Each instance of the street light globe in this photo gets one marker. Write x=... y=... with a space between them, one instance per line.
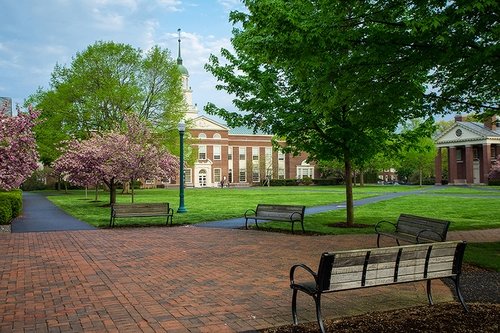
x=181 y=126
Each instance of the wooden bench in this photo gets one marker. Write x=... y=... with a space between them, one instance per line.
x=267 y=212
x=347 y=270
x=413 y=229
x=141 y=210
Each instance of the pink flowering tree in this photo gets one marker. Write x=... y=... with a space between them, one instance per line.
x=18 y=150
x=495 y=171
x=116 y=157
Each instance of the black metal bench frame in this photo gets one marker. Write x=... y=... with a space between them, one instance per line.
x=414 y=229
x=271 y=212
x=141 y=210
x=348 y=270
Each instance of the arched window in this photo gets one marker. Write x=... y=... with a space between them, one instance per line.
x=217 y=136
x=202 y=136
x=305 y=170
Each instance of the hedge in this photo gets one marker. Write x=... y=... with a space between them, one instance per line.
x=11 y=204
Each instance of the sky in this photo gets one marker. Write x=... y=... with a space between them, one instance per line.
x=35 y=35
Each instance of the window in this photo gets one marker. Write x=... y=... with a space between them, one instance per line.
x=459 y=155
x=281 y=156
x=255 y=153
x=217 y=177
x=243 y=151
x=150 y=181
x=255 y=173
x=230 y=175
x=187 y=176
x=243 y=175
x=305 y=170
x=216 y=152
x=229 y=153
x=202 y=136
x=202 y=152
x=493 y=153
x=216 y=136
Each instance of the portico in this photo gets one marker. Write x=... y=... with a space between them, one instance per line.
x=471 y=148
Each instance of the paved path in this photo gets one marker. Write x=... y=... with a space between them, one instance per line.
x=173 y=279
x=177 y=279
x=39 y=214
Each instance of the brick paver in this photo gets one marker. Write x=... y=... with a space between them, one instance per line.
x=180 y=279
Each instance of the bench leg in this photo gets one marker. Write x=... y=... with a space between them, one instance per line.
x=294 y=307
x=302 y=224
x=456 y=280
x=378 y=240
x=292 y=227
x=317 y=300
x=429 y=292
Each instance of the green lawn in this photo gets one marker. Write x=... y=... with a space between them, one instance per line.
x=485 y=255
x=467 y=208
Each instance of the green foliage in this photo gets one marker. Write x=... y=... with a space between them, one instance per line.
x=11 y=204
x=102 y=84
x=36 y=181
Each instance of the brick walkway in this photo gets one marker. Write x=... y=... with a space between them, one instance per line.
x=181 y=279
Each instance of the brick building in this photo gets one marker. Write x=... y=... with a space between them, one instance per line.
x=236 y=156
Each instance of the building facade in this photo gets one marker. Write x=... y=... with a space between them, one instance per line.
x=471 y=148
x=234 y=156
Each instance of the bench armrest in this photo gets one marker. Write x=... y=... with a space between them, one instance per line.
x=296 y=213
x=379 y=225
x=306 y=268
x=249 y=211
x=428 y=231
x=171 y=211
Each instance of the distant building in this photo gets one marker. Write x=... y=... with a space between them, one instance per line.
x=471 y=147
x=234 y=156
x=7 y=102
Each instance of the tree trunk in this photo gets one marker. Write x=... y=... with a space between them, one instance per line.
x=112 y=191
x=132 y=189
x=126 y=187
x=96 y=192
x=348 y=190
x=361 y=178
x=420 y=176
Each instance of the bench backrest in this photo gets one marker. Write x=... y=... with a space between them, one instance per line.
x=411 y=224
x=280 y=211
x=380 y=266
x=140 y=207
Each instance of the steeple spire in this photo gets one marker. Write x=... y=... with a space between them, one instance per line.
x=179 y=59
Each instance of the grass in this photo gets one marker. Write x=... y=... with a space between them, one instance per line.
x=208 y=204
x=486 y=255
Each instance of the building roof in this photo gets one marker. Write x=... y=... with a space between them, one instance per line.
x=463 y=133
x=246 y=131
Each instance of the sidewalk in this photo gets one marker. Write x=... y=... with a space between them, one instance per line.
x=173 y=279
x=176 y=279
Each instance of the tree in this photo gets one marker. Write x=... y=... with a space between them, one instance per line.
x=116 y=157
x=494 y=174
x=102 y=85
x=332 y=78
x=18 y=154
x=460 y=39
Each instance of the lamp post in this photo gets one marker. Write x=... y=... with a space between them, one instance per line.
x=182 y=128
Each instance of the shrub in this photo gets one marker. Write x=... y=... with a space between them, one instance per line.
x=10 y=205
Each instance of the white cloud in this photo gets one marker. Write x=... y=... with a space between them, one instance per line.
x=230 y=4
x=171 y=5
x=108 y=21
